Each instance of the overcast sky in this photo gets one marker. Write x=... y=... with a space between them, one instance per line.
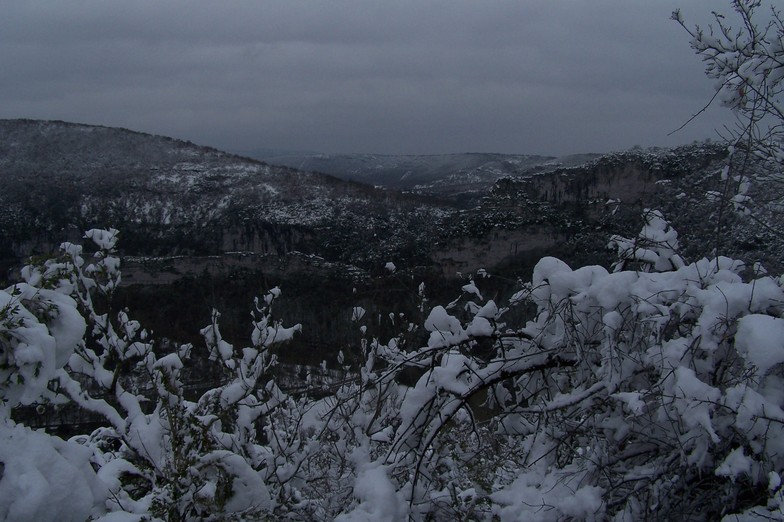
x=393 y=76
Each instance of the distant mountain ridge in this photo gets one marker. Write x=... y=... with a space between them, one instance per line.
x=461 y=177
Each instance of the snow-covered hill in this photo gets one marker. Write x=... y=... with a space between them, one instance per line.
x=173 y=197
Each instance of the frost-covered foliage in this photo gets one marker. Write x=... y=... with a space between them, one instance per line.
x=747 y=62
x=40 y=475
x=646 y=393
x=633 y=395
x=160 y=454
x=655 y=248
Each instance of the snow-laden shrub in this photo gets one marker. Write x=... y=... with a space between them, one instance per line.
x=655 y=247
x=744 y=55
x=40 y=328
x=159 y=454
x=635 y=394
x=631 y=395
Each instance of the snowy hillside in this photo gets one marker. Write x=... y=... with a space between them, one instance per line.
x=173 y=197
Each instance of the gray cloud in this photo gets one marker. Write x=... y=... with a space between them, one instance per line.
x=363 y=76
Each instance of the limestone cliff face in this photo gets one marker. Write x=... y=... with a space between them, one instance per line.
x=571 y=212
x=627 y=182
x=266 y=239
x=497 y=247
x=630 y=176
x=163 y=271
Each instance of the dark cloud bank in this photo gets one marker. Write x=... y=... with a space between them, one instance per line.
x=407 y=76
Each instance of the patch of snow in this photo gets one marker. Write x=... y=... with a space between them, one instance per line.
x=357 y=313
x=760 y=339
x=42 y=474
x=735 y=464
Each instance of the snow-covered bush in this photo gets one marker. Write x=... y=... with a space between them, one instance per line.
x=160 y=453
x=634 y=394
x=746 y=60
x=40 y=329
x=655 y=248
